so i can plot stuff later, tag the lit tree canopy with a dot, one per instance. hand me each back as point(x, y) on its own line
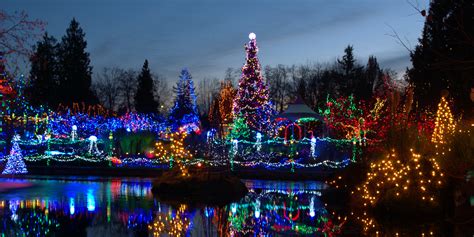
point(252, 99)
point(444, 123)
point(15, 163)
point(184, 110)
point(227, 95)
point(221, 108)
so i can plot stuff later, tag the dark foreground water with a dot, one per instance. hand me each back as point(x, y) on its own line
point(126, 207)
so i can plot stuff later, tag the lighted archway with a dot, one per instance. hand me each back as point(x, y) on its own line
point(293, 125)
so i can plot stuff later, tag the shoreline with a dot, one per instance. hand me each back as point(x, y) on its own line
point(121, 172)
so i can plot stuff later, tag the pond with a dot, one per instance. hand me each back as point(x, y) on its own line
point(92, 206)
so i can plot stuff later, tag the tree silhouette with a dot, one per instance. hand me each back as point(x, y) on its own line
point(74, 67)
point(44, 73)
point(444, 58)
point(144, 98)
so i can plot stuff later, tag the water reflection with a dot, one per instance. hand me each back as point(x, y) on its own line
point(280, 208)
point(126, 207)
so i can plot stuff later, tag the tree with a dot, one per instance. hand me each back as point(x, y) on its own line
point(352, 74)
point(174, 151)
point(444, 58)
point(207, 88)
point(74, 67)
point(347, 62)
point(162, 92)
point(220, 113)
point(145, 101)
point(6, 90)
point(42, 89)
point(444, 123)
point(127, 86)
point(107, 88)
point(364, 88)
point(214, 115)
point(232, 74)
point(184, 110)
point(226, 99)
point(15, 163)
point(277, 79)
point(17, 33)
point(252, 99)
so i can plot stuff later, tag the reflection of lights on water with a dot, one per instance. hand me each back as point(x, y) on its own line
point(208, 211)
point(90, 200)
point(13, 205)
point(311, 207)
point(72, 209)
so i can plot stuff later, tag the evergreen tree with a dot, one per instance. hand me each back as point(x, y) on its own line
point(43, 73)
point(145, 101)
point(444, 58)
point(364, 88)
point(352, 75)
point(15, 163)
point(184, 110)
point(444, 123)
point(347, 62)
point(74, 67)
point(252, 98)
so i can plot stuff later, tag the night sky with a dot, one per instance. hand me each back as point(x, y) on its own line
point(208, 36)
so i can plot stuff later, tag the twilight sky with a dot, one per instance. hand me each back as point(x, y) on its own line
point(207, 36)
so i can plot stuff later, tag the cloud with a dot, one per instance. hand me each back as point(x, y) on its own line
point(208, 36)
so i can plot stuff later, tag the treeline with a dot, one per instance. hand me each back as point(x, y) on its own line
point(315, 82)
point(442, 62)
point(312, 82)
point(61, 74)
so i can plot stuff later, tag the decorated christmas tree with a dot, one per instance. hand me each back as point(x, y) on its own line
point(444, 123)
point(15, 163)
point(252, 99)
point(184, 113)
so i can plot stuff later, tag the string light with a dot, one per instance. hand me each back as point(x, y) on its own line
point(444, 122)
